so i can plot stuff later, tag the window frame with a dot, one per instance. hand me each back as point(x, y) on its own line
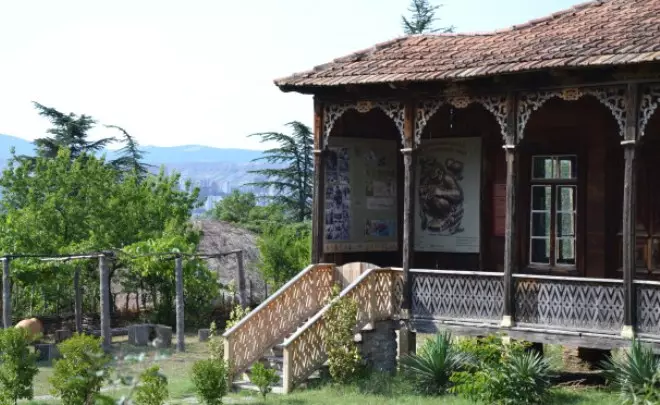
point(554, 183)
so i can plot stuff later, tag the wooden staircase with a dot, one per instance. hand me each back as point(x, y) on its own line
point(285, 331)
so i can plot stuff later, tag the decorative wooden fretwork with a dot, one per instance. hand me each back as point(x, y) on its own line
point(614, 98)
point(377, 292)
point(426, 109)
point(333, 111)
point(649, 102)
point(648, 307)
point(573, 304)
point(461, 296)
point(278, 316)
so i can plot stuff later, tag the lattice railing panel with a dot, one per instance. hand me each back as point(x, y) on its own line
point(575, 304)
point(278, 316)
point(457, 295)
point(648, 308)
point(305, 352)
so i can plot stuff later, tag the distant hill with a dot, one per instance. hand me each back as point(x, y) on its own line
point(153, 154)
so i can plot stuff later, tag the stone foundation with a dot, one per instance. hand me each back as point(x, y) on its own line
point(378, 346)
point(582, 358)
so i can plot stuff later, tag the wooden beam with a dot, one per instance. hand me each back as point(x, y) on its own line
point(6, 294)
point(318, 203)
point(104, 286)
point(180, 322)
point(408, 203)
point(629, 209)
point(78, 300)
point(510, 142)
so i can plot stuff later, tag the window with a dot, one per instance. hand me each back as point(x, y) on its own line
point(553, 211)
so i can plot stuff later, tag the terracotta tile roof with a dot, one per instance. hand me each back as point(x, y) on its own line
point(597, 33)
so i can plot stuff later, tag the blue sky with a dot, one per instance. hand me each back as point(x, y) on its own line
point(176, 72)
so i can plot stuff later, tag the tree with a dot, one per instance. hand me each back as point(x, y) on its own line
point(284, 251)
point(241, 209)
point(69, 131)
point(130, 155)
point(294, 181)
point(422, 18)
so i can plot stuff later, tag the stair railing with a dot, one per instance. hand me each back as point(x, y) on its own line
point(378, 293)
point(278, 316)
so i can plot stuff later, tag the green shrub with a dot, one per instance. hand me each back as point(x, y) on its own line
point(437, 360)
point(79, 374)
point(489, 350)
point(215, 343)
point(263, 378)
point(237, 313)
point(18, 366)
point(344, 359)
point(520, 378)
point(636, 375)
point(152, 389)
point(210, 380)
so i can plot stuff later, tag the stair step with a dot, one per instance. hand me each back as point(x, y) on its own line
point(246, 385)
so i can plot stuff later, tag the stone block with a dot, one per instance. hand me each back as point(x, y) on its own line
point(46, 351)
point(163, 337)
point(203, 334)
point(62, 335)
point(138, 335)
point(379, 347)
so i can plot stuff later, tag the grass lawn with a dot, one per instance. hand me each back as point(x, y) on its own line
point(177, 368)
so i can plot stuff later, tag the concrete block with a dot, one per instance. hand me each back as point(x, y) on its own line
point(46, 351)
point(204, 334)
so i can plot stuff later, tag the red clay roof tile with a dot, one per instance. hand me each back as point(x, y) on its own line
point(604, 32)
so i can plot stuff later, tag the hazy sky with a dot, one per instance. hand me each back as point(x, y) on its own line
point(175, 72)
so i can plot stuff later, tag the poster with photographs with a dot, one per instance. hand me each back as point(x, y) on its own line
point(447, 196)
point(360, 196)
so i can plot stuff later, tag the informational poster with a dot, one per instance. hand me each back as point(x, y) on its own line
point(499, 209)
point(360, 196)
point(447, 194)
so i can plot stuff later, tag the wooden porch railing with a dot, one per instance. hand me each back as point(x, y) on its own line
point(278, 316)
point(457, 295)
point(569, 303)
point(648, 306)
point(378, 293)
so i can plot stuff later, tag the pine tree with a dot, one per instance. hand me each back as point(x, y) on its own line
point(69, 131)
point(422, 18)
point(293, 181)
point(130, 155)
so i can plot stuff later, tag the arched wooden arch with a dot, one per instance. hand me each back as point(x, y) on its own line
point(614, 98)
point(649, 102)
point(496, 105)
point(333, 111)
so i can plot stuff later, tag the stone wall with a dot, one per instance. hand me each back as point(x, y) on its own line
point(378, 346)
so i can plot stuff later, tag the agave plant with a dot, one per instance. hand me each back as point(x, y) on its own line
point(525, 378)
point(636, 374)
point(430, 369)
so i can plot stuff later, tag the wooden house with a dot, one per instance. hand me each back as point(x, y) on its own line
point(498, 182)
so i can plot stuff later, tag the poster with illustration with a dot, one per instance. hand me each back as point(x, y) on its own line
point(360, 196)
point(447, 196)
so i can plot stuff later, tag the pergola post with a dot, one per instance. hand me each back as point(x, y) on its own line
point(510, 142)
point(78, 300)
point(407, 336)
point(180, 323)
point(104, 286)
point(629, 210)
point(6, 293)
point(242, 295)
point(318, 202)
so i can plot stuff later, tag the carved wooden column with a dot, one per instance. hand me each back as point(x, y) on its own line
point(318, 203)
point(510, 142)
point(6, 293)
point(407, 337)
point(629, 217)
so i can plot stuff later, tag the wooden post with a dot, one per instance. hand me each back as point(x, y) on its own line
point(629, 211)
point(510, 221)
point(318, 204)
point(104, 286)
point(6, 293)
point(406, 335)
point(180, 323)
point(242, 296)
point(78, 300)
